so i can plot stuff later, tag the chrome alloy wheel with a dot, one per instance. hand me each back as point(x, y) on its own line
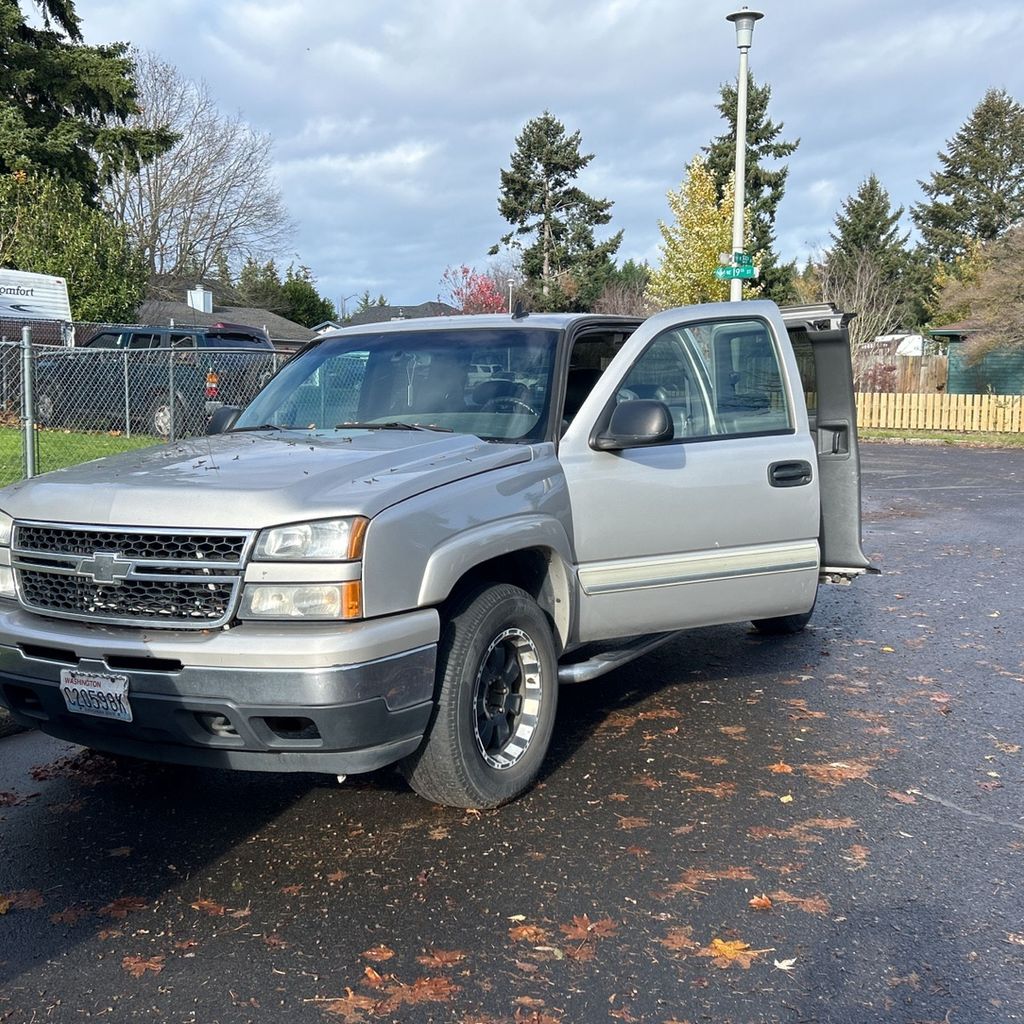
point(507, 698)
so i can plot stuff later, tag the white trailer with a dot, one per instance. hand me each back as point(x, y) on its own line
point(25, 296)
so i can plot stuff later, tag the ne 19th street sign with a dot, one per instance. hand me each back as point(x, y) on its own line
point(742, 259)
point(728, 273)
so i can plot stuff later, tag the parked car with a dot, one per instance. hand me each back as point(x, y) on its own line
point(393, 564)
point(129, 373)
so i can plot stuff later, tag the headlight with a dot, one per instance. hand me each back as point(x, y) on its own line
point(329, 540)
point(303, 601)
point(7, 588)
point(6, 529)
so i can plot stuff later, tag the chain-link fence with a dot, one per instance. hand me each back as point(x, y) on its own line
point(61, 405)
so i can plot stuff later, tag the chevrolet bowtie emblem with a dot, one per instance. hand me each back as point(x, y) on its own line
point(106, 567)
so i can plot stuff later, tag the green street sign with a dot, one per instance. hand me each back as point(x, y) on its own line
point(729, 273)
point(743, 259)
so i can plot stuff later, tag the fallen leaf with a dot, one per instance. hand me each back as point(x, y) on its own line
point(858, 854)
point(761, 902)
point(903, 798)
point(1015, 938)
point(275, 941)
point(378, 954)
point(528, 933)
point(337, 876)
point(582, 928)
point(835, 773)
point(441, 958)
point(292, 890)
point(5, 904)
point(423, 990)
point(1007, 748)
point(787, 799)
point(719, 791)
point(137, 966)
point(808, 904)
point(785, 965)
point(350, 1006)
point(990, 787)
point(680, 940)
point(26, 899)
point(120, 851)
point(208, 907)
point(727, 953)
point(72, 915)
point(717, 761)
point(781, 768)
point(373, 979)
point(734, 732)
point(631, 823)
point(120, 908)
point(185, 944)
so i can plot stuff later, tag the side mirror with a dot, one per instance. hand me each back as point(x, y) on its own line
point(223, 419)
point(636, 424)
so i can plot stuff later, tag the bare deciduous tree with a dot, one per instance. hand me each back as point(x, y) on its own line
point(211, 200)
point(857, 284)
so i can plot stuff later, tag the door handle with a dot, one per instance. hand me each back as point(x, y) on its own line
point(790, 474)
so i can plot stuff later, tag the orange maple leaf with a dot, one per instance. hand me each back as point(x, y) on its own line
point(527, 933)
point(808, 904)
point(441, 957)
point(122, 907)
point(350, 1006)
point(680, 940)
point(727, 953)
point(137, 966)
point(208, 907)
point(761, 902)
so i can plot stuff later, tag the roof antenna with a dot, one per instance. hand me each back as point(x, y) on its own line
point(519, 313)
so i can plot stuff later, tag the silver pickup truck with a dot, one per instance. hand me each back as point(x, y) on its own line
point(389, 557)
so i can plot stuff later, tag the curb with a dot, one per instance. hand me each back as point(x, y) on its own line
point(8, 727)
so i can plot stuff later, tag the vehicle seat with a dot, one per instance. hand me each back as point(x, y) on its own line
point(492, 390)
point(443, 389)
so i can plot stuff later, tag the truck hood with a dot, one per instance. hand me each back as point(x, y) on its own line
point(250, 480)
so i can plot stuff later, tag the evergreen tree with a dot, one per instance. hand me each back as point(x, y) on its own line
point(260, 286)
point(978, 192)
point(691, 245)
point(302, 302)
point(47, 227)
point(553, 220)
point(64, 105)
point(764, 185)
point(867, 224)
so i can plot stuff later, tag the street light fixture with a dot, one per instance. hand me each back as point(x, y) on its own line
point(744, 21)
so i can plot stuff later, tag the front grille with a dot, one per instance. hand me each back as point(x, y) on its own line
point(133, 599)
point(129, 577)
point(130, 544)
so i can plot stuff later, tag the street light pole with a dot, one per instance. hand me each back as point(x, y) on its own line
point(744, 22)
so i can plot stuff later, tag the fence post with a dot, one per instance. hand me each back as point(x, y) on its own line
point(127, 406)
point(170, 396)
point(28, 402)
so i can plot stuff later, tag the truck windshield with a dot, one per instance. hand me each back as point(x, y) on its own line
point(492, 382)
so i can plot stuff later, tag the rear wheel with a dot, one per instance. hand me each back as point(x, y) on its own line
point(496, 698)
point(44, 409)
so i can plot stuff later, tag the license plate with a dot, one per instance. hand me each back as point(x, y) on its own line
point(96, 694)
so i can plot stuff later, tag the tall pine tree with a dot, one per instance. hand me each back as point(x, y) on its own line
point(63, 105)
point(553, 220)
point(764, 185)
point(978, 191)
point(868, 224)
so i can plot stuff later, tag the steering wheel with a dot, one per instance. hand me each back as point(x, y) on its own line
point(508, 403)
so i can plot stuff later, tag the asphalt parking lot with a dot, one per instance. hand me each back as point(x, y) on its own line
point(734, 829)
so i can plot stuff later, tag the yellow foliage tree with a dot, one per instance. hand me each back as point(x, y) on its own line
point(691, 245)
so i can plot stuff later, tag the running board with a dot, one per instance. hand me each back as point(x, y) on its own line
point(607, 661)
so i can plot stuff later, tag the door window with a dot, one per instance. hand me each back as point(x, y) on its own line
point(718, 378)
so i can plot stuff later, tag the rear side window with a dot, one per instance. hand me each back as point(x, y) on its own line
point(231, 339)
point(136, 341)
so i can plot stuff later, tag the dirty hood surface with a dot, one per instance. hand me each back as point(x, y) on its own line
point(254, 479)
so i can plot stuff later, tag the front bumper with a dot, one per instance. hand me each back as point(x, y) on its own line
point(338, 699)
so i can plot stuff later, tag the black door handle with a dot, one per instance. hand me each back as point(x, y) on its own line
point(790, 474)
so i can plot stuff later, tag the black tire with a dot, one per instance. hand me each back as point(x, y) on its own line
point(785, 625)
point(45, 408)
point(496, 648)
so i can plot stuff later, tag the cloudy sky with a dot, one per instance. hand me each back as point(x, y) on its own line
point(392, 121)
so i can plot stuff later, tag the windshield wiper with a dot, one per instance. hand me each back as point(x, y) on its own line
point(393, 425)
point(262, 426)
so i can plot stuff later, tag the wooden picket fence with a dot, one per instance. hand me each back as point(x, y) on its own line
point(939, 411)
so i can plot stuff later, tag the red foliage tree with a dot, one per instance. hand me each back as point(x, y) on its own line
point(469, 291)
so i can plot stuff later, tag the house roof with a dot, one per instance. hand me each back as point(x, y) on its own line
point(163, 311)
point(959, 329)
point(381, 314)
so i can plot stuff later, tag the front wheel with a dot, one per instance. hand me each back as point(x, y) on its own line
point(496, 698)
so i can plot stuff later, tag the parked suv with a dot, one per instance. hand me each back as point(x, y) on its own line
point(204, 367)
